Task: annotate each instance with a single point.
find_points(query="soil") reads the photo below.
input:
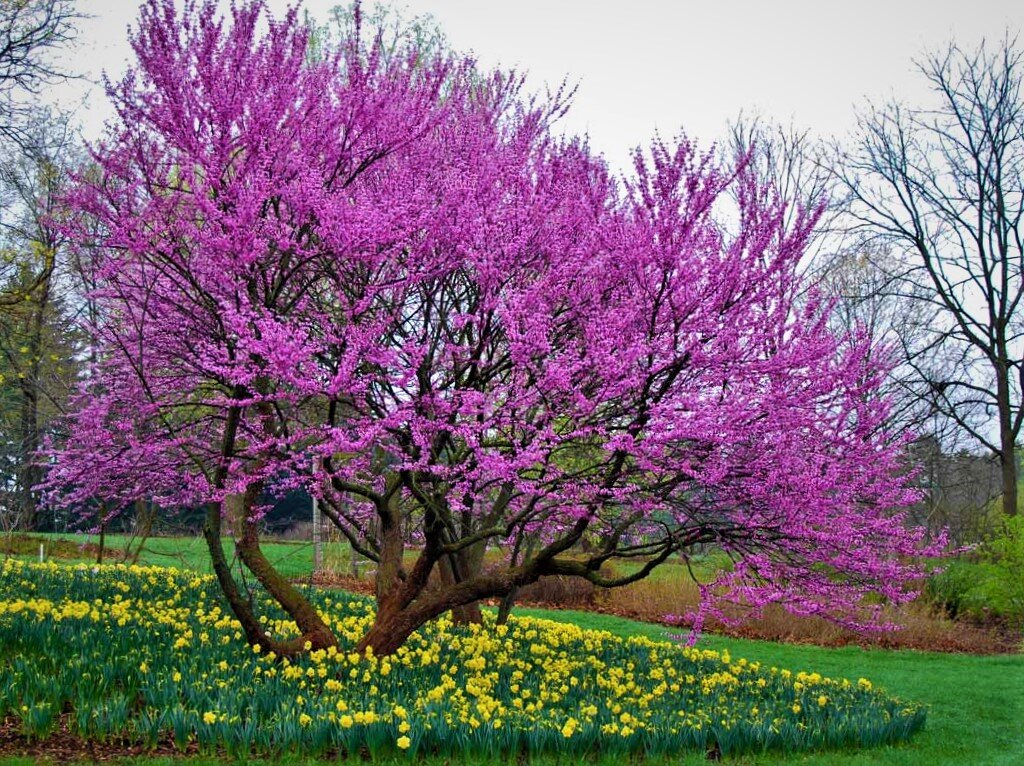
(63, 746)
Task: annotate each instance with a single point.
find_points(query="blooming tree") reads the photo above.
(382, 279)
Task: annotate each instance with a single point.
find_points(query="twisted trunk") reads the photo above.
(240, 605)
(399, 616)
(311, 626)
(409, 600)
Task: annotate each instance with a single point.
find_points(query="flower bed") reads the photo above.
(149, 654)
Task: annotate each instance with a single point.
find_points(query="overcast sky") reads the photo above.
(650, 64)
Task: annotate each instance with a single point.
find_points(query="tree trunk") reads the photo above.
(505, 608)
(412, 602)
(28, 471)
(390, 630)
(1007, 442)
(312, 627)
(471, 564)
(1008, 465)
(103, 536)
(145, 515)
(523, 548)
(449, 569)
(240, 605)
(395, 623)
(407, 609)
(392, 550)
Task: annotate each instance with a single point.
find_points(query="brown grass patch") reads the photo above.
(672, 592)
(24, 545)
(923, 626)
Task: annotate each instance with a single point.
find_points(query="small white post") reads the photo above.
(318, 548)
(40, 553)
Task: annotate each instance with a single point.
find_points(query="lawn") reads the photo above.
(292, 559)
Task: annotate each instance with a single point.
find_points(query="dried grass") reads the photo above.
(672, 592)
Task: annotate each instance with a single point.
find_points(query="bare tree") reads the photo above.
(38, 353)
(791, 159)
(840, 265)
(942, 189)
(31, 32)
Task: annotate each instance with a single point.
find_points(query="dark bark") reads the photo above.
(29, 471)
(413, 604)
(505, 607)
(390, 630)
(451, 573)
(240, 604)
(390, 569)
(102, 545)
(312, 627)
(1007, 442)
(394, 622)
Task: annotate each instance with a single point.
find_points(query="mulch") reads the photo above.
(64, 746)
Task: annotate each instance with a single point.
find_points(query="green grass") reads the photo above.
(976, 703)
(293, 559)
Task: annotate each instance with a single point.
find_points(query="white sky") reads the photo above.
(656, 64)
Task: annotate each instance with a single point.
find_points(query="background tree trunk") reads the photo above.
(449, 569)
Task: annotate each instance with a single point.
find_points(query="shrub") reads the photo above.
(953, 589)
(562, 592)
(1003, 587)
(989, 586)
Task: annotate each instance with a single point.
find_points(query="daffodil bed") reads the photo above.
(150, 655)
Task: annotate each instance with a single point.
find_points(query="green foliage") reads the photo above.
(954, 589)
(1003, 587)
(989, 584)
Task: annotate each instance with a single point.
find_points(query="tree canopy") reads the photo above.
(384, 279)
